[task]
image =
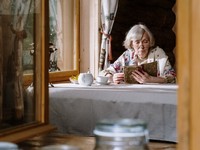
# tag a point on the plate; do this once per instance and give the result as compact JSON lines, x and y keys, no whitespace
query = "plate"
{"x":73,"y":81}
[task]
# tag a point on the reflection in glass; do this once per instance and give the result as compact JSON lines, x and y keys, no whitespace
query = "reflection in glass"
{"x":61,"y":30}
{"x":16,"y":37}
{"x":20,"y":43}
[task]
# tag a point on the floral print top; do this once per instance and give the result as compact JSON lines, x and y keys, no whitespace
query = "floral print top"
{"x":129,"y":58}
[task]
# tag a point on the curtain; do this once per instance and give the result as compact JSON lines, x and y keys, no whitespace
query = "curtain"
{"x":20,"y":14}
{"x":56,"y":35}
{"x":108,"y":13}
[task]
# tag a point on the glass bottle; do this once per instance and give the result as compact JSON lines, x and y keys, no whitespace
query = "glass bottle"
{"x":121,"y":134}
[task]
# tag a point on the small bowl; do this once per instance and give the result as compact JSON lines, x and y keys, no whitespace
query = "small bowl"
{"x":73,"y":81}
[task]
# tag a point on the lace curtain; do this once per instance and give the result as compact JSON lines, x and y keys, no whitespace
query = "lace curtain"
{"x":20,"y":13}
{"x":56,"y":35}
{"x":108,"y":13}
{"x":14,"y":13}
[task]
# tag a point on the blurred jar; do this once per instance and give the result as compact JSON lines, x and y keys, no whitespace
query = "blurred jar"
{"x":121,"y":134}
{"x":8,"y":146}
{"x":59,"y":147}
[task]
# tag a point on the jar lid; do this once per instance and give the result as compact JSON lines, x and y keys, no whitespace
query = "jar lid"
{"x":121,"y":128}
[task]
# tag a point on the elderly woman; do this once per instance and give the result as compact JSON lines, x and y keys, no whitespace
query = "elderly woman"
{"x":139,"y":43}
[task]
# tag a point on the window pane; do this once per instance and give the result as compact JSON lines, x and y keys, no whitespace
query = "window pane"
{"x":62,"y":34}
{"x":20,"y":37}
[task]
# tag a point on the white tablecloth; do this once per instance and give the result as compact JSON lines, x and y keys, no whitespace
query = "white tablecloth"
{"x":75,"y":109}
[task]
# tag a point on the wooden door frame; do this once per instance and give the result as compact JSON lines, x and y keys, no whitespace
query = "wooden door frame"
{"x":1,"y":74}
{"x":188,"y":42}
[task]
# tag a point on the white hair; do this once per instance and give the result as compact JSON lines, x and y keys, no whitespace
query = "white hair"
{"x":136,"y":33}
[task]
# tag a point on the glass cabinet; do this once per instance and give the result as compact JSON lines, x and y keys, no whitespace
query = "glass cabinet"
{"x":24,"y":55}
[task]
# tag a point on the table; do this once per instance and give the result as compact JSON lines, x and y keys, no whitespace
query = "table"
{"x":84,"y":143}
{"x":75,"y":109}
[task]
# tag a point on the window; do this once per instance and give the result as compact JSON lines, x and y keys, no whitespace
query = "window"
{"x":23,"y":113}
{"x":24,"y":61}
{"x":64,"y":34}
{"x":63,"y":42}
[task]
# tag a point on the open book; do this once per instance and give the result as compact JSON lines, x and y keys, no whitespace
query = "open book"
{"x":150,"y":68}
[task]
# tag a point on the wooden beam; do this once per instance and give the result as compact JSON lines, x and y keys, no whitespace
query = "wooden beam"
{"x":183,"y":46}
{"x":188,"y":20}
{"x":1,"y":73}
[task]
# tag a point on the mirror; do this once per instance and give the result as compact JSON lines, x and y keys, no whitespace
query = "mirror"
{"x":23,"y":33}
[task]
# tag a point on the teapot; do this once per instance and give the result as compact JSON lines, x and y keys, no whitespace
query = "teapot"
{"x":85,"y":79}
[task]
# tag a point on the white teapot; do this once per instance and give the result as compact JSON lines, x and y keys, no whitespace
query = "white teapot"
{"x":85,"y":79}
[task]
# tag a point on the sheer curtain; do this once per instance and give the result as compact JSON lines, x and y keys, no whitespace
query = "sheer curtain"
{"x":108,"y":13}
{"x":20,"y":13}
{"x":56,"y":31}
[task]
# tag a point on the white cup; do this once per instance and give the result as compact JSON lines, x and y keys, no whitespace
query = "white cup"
{"x":102,"y":79}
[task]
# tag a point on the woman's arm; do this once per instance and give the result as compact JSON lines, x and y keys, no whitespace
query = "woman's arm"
{"x":116,"y":67}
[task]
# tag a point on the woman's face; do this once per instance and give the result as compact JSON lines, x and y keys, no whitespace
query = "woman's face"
{"x":141,"y":46}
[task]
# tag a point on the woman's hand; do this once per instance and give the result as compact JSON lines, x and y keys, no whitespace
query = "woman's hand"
{"x":141,"y":76}
{"x":118,"y":78}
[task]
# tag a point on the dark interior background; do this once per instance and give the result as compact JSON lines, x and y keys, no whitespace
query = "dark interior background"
{"x":159,"y":17}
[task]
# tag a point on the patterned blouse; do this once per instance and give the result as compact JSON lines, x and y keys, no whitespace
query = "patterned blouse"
{"x":129,"y":58}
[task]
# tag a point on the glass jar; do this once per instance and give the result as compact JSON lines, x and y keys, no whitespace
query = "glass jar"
{"x":8,"y":146}
{"x":59,"y":147}
{"x":121,"y":134}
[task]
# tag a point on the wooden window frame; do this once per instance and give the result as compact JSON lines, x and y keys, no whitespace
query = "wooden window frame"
{"x":188,"y":35}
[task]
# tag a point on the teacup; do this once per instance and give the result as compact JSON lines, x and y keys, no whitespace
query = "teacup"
{"x":102,"y":79}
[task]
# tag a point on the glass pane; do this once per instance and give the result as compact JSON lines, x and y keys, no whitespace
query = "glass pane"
{"x":19,"y":33}
{"x":62,"y":24}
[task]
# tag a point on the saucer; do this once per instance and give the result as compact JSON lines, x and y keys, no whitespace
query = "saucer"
{"x":102,"y":83}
